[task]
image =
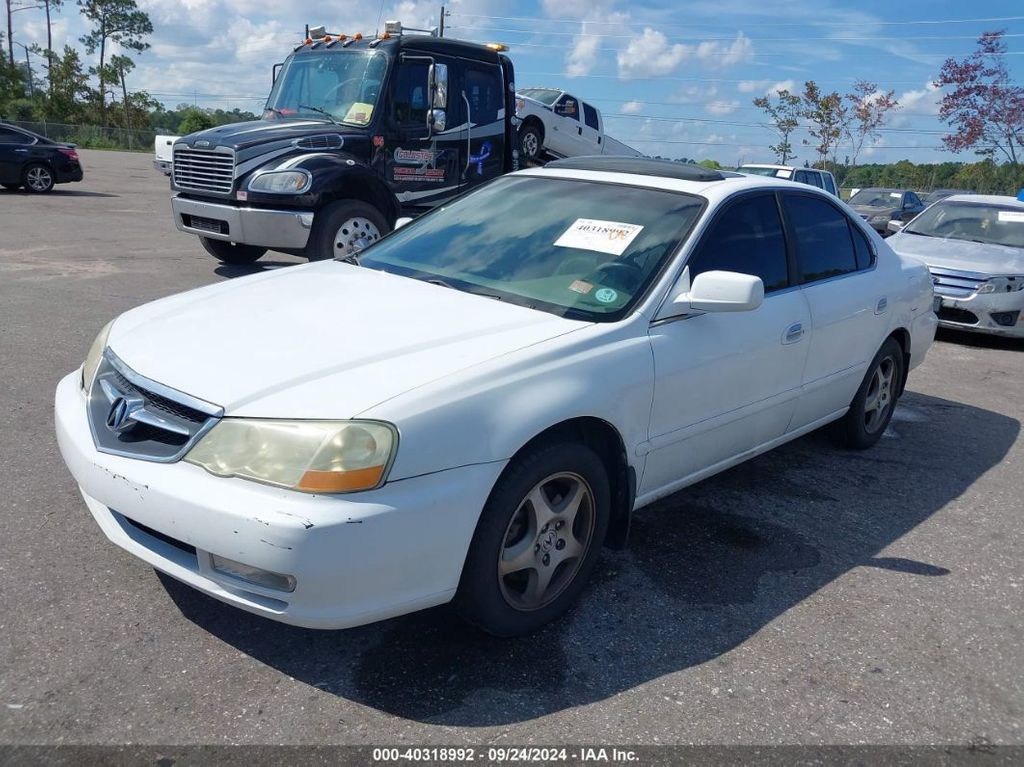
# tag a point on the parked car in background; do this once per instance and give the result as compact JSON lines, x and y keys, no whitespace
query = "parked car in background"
{"x":974,"y":247}
{"x":557,"y":124}
{"x":822,"y":179}
{"x":878,"y":206}
{"x":941,"y":194}
{"x":34,"y":162}
{"x":560,"y":347}
{"x":163,"y":153}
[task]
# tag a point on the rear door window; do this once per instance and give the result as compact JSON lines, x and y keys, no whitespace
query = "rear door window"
{"x":830,"y":184}
{"x":590,"y":116}
{"x":8,"y":136}
{"x":823,"y":238}
{"x":747,"y":238}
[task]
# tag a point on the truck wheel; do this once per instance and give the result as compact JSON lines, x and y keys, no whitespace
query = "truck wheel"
{"x":530,"y":142}
{"x":345,"y":227}
{"x":537,"y":541}
{"x":232,"y":252}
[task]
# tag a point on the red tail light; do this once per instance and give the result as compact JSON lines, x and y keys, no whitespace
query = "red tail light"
{"x":71,"y":154}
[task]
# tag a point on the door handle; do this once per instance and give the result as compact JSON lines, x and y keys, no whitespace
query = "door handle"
{"x":793,"y":333}
{"x":579,"y":131}
{"x":21,"y":151}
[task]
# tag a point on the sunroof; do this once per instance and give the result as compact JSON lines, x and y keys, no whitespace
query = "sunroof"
{"x":641,"y":166}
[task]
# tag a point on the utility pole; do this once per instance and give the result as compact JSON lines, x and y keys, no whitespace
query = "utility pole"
{"x":440,"y":27}
{"x":28,"y":66}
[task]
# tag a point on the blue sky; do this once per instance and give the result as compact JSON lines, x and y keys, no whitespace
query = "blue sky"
{"x":672,"y":79}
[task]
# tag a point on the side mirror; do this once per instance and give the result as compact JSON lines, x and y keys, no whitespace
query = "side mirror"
{"x":715,"y":292}
{"x":437,"y":120}
{"x":274,"y":73}
{"x":895,"y":226}
{"x":399,"y":223}
{"x":437,"y":86}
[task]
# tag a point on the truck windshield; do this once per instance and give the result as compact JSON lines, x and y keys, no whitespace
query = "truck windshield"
{"x":345,"y":84}
{"x":576,"y":249}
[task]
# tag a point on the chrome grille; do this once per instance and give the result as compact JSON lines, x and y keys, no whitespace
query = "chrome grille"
{"x":132,"y":416}
{"x":204,"y":170}
{"x":956,"y":283}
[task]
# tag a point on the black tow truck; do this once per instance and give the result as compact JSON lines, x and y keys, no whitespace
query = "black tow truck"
{"x":357,"y":133}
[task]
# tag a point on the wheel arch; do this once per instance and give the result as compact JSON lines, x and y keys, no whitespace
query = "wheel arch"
{"x":902,"y":336}
{"x":358,"y":183}
{"x":606,"y":441}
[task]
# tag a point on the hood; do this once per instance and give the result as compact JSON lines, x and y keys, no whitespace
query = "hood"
{"x":247,"y":134}
{"x":963,"y":255}
{"x":324,"y":340}
{"x":873,"y":210}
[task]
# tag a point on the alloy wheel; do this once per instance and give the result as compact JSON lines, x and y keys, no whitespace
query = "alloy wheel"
{"x":39,"y":179}
{"x":879,"y":400}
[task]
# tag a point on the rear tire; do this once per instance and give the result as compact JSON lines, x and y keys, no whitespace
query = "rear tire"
{"x":232,"y":252}
{"x":38,"y":178}
{"x":537,"y":541}
{"x":873,"y":406}
{"x":343,"y":228}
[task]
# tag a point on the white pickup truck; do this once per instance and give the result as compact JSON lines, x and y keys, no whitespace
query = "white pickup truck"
{"x":163,"y":150}
{"x":557,"y":124}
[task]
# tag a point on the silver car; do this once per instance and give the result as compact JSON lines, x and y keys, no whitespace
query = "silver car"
{"x":974,"y":247}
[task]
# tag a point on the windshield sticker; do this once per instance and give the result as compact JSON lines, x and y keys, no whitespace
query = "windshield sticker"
{"x":606,"y":296}
{"x":359,"y":113}
{"x":612,"y":237}
{"x":784,"y":173}
{"x":1012,"y":216}
{"x":895,"y":195}
{"x":579,"y":286}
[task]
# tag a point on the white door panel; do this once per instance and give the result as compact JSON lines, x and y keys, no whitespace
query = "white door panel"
{"x":724,"y":384}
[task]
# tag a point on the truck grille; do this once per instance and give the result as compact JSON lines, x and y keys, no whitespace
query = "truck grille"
{"x":956,"y":283}
{"x":134,"y":417}
{"x":204,"y":170}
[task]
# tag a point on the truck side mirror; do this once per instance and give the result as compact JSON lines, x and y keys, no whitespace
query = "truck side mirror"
{"x":437,"y":83}
{"x":274,"y":73}
{"x":437,"y":120}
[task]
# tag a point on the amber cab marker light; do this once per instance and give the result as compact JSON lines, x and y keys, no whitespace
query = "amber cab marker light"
{"x":357,"y":36}
{"x":327,"y":38}
{"x":309,"y":41}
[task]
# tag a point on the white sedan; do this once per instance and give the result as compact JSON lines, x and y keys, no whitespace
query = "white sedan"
{"x":476,"y":404}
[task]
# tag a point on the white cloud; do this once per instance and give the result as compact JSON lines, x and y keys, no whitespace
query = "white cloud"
{"x":650,"y":55}
{"x":580,"y":60}
{"x":721,"y":107}
{"x":694,"y":94}
{"x":715,"y":53}
{"x":924,"y":101}
{"x":632,"y":107}
{"x":782,"y":85}
{"x":752,"y":86}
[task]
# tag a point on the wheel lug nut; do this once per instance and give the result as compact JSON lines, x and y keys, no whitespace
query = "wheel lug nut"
{"x":560,"y":544}
{"x":546,"y":560}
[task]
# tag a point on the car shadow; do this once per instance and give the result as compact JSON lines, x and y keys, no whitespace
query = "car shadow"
{"x":979,"y":340}
{"x":706,"y":569}
{"x":243,"y":270}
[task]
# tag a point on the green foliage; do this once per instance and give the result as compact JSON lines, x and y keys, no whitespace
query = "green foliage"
{"x":713,"y":164}
{"x":195,"y":120}
{"x":985,"y":177}
{"x":784,"y":111}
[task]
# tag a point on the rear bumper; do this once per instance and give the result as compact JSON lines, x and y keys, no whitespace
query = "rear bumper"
{"x":69,"y":174}
{"x":283,"y":229}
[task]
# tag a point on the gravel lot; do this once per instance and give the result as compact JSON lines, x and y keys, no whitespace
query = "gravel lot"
{"x":810,"y":596}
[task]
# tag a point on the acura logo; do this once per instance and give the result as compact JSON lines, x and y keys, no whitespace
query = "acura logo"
{"x":122,"y":409}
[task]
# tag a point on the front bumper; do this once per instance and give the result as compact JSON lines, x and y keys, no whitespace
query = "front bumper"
{"x":281,"y":229}
{"x":164,"y":166}
{"x":1000,"y":314}
{"x":355,"y":559}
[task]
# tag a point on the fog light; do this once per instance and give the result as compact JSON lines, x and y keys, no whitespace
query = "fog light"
{"x":254,"y":575}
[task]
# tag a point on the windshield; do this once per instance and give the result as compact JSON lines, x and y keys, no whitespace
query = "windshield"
{"x":576,"y":249}
{"x":977,"y":222}
{"x":877,"y":198}
{"x":344,"y":84}
{"x":758,"y":171}
{"x":543,"y":95}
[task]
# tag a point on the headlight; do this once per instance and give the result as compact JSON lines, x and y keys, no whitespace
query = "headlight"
{"x":1002,"y":285}
{"x":281,"y":182}
{"x":92,"y":359}
{"x":311,"y":456}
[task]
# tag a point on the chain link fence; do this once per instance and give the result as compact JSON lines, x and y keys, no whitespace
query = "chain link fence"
{"x":91,"y":136}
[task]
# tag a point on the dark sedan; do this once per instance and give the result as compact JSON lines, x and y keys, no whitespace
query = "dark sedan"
{"x":880,"y":206}
{"x":35,"y":162}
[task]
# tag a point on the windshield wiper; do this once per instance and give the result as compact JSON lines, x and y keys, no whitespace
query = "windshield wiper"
{"x":471,"y":290}
{"x":320,"y":111}
{"x":919,"y":234}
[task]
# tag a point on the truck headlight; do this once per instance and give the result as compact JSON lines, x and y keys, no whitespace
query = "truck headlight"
{"x":281,"y":182}
{"x":1002,"y":285}
{"x":311,"y":456}
{"x":92,"y":359}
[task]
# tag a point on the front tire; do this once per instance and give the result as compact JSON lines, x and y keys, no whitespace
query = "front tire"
{"x":873,"y":406}
{"x":344,"y":228}
{"x":38,"y":178}
{"x":232,"y":252}
{"x":537,"y":541}
{"x":530,"y":142}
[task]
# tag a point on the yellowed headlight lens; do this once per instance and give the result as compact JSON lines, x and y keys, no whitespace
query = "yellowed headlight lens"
{"x":92,"y":359}
{"x":311,"y":456}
